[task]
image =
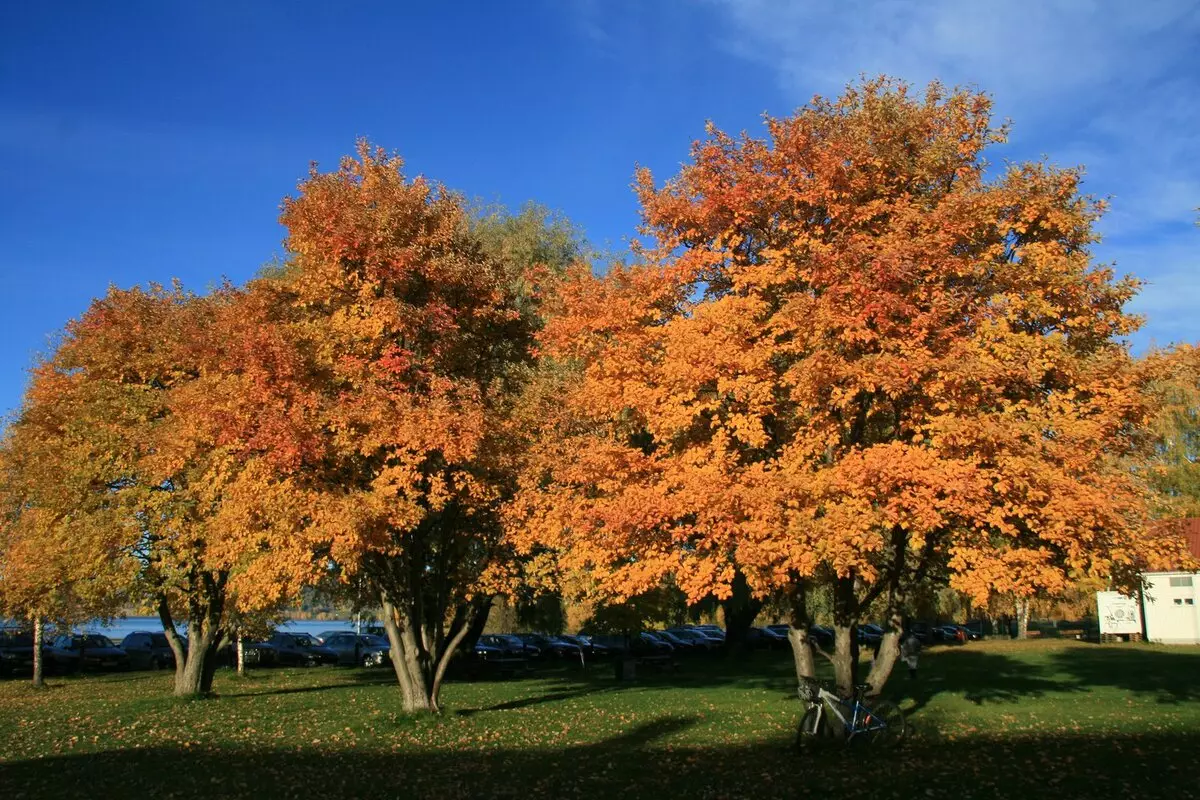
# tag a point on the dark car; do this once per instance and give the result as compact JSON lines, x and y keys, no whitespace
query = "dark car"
{"x":681,"y":645}
{"x":951,"y":634}
{"x":649,"y":643}
{"x":712,"y":631}
{"x":487,"y":652}
{"x":613,"y":643}
{"x":324,"y":636}
{"x":300,"y":650}
{"x":148,"y":650}
{"x":360,"y":650}
{"x":488,"y":660}
{"x":590,"y":647}
{"x":511,"y":644}
{"x":923,"y":631}
{"x":821,"y":634}
{"x":696,"y":637}
{"x":869,"y":634}
{"x":16,"y":652}
{"x":762,"y":639}
{"x":557,"y":646}
{"x":86,"y":651}
{"x":255,"y":654}
{"x":818,"y":634}
{"x":773,"y":636}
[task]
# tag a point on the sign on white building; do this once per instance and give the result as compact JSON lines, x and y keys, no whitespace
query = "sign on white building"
{"x":1118,"y":613}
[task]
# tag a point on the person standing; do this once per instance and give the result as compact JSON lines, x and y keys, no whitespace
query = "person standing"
{"x":910,"y":650}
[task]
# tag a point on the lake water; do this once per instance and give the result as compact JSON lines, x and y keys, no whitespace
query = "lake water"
{"x":118,"y":629}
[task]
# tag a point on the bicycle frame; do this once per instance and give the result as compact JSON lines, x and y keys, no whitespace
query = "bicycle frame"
{"x":861,"y":719}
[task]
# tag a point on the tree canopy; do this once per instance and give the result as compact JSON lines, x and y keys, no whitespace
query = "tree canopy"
{"x":849,"y":356}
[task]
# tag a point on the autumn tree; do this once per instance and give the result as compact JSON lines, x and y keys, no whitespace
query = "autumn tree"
{"x":1173,"y":468}
{"x":848,"y":357}
{"x":165,"y":446}
{"x":57,"y":565}
{"x":418,"y":324}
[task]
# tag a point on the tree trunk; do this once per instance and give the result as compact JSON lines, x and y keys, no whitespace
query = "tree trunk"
{"x":443,"y":662}
{"x":740,"y":610}
{"x":420,"y":670}
{"x":802,"y":653}
{"x":241,"y":657}
{"x":481,"y":608}
{"x":403,"y":651}
{"x":38,"y":681}
{"x":843,"y":658}
{"x":798,"y":624}
{"x":889,"y":652}
{"x":178,"y":648}
{"x":845,"y":620}
{"x":195,"y":663}
{"x":1022,"y":609}
{"x":209,"y":669}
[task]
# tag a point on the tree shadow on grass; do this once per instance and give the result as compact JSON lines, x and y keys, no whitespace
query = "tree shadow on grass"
{"x":979,"y":676}
{"x":539,"y":699}
{"x":1168,"y":676}
{"x":636,"y":763}
{"x":350,"y":682}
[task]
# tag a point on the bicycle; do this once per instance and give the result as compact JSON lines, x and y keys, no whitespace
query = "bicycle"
{"x":881,"y":723}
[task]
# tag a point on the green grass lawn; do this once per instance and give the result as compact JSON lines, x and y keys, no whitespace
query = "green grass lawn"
{"x":996,"y":719}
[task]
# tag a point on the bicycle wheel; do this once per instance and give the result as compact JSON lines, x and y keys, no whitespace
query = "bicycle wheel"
{"x":809,"y":730}
{"x":884,"y":724}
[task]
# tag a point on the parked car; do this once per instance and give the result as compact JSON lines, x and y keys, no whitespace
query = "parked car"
{"x":649,"y":643}
{"x":696,"y":637}
{"x":522,"y":647}
{"x":255,"y":654}
{"x":923,"y":631}
{"x":821,"y":634}
{"x":591,"y":648}
{"x":712,"y":631}
{"x":818,"y":634}
{"x":754,"y":638}
{"x":613,"y":644}
{"x":681,"y":645}
{"x":550,"y":645}
{"x":869,"y":634}
{"x":16,"y":652}
{"x":300,"y":650}
{"x":487,"y":652}
{"x":759,"y":638}
{"x":86,"y":651}
{"x":511,"y":648}
{"x":951,"y":634}
{"x":358,"y":650}
{"x":148,"y":650}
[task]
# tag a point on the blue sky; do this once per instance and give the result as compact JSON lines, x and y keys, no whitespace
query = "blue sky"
{"x":145,"y":141}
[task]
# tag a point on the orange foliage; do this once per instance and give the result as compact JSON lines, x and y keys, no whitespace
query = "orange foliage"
{"x":166,"y":429}
{"x":405,"y":340}
{"x":849,"y":355}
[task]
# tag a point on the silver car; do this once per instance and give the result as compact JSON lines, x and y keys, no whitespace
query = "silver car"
{"x":361,"y":650}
